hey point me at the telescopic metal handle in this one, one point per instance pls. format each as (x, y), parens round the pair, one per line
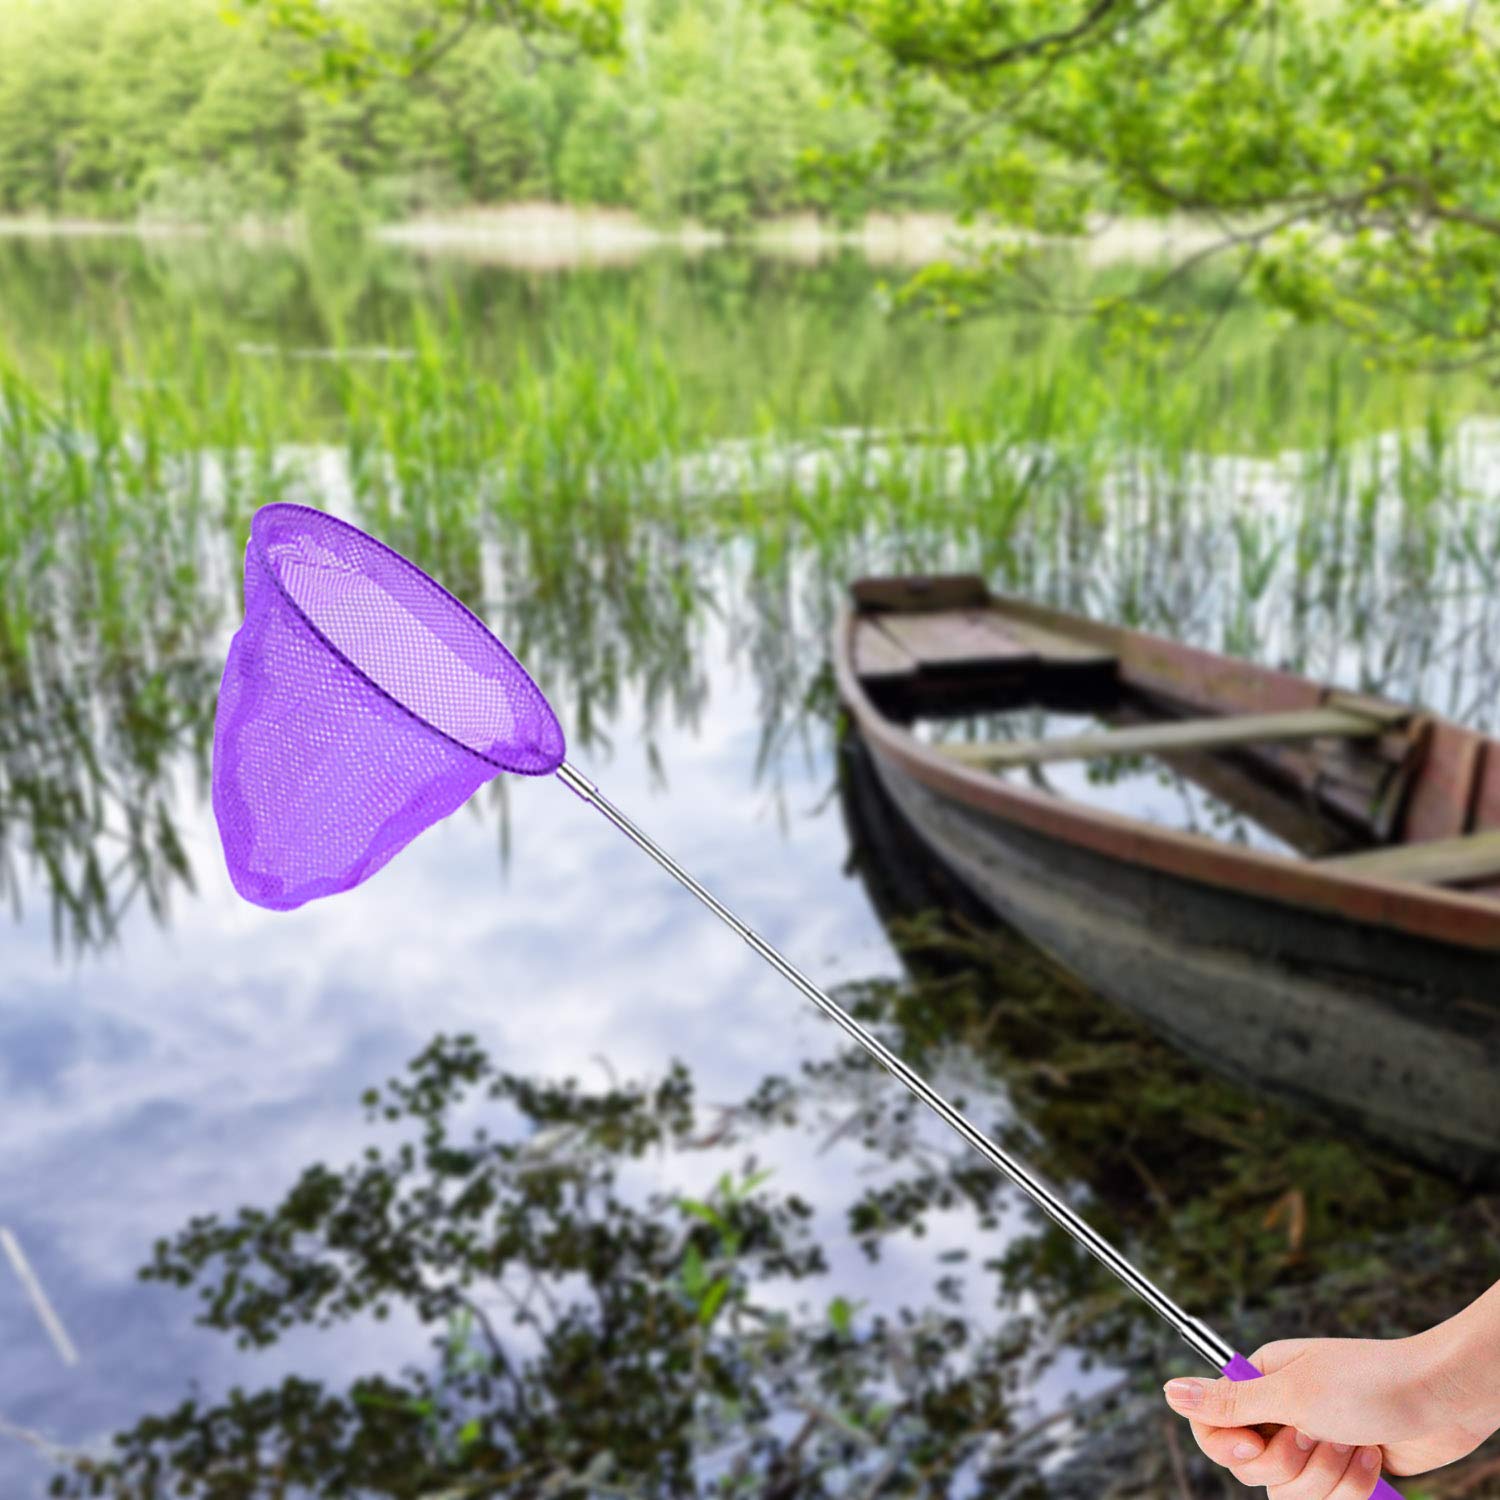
(1200, 1338)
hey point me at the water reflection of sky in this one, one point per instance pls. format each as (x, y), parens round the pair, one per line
(201, 1067)
(1140, 786)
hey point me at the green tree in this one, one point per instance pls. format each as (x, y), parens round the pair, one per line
(348, 47)
(734, 97)
(157, 106)
(599, 151)
(505, 117)
(1340, 153)
(43, 70)
(246, 130)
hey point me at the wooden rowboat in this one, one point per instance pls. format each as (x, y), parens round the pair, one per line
(1350, 959)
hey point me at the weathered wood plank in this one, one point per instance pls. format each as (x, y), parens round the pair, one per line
(1370, 780)
(1049, 645)
(921, 591)
(876, 656)
(1439, 862)
(1442, 800)
(1487, 789)
(1393, 714)
(1216, 733)
(955, 638)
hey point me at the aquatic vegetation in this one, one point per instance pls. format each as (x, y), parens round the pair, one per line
(90, 773)
(116, 490)
(606, 493)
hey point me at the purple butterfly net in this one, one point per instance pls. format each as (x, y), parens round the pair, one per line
(361, 703)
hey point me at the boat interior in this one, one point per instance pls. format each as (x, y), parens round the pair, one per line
(1370, 788)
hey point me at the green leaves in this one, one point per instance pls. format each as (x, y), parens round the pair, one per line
(707, 1286)
(1348, 146)
(353, 47)
(711, 1301)
(841, 1315)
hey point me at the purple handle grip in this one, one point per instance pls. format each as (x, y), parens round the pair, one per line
(1240, 1368)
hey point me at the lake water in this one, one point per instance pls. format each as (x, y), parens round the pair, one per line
(168, 1051)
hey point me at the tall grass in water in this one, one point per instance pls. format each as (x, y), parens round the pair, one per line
(597, 433)
(116, 482)
(609, 499)
(123, 494)
(589, 496)
(583, 472)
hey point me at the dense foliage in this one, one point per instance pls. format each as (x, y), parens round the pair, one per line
(1336, 154)
(706, 110)
(1340, 151)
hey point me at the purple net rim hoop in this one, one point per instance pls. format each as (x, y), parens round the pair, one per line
(323, 517)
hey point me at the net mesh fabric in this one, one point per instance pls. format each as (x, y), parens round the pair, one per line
(361, 703)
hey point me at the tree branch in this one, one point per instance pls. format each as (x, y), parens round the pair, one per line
(1054, 41)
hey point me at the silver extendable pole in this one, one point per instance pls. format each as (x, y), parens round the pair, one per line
(1201, 1339)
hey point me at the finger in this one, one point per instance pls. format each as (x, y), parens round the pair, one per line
(1360, 1477)
(1228, 1445)
(1280, 1460)
(1321, 1475)
(1231, 1403)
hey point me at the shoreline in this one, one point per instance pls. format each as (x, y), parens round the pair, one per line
(550, 236)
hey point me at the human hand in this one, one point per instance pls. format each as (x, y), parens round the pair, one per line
(1328, 1414)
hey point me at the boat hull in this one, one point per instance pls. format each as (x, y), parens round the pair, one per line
(1393, 1032)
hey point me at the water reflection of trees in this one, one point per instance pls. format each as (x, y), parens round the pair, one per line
(604, 1321)
(641, 1352)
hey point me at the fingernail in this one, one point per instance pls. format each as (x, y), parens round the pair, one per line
(1343, 1447)
(1246, 1450)
(1305, 1443)
(1370, 1458)
(1184, 1392)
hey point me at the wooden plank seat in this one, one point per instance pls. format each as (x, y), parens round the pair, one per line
(966, 642)
(1176, 735)
(956, 640)
(877, 657)
(1469, 860)
(1052, 648)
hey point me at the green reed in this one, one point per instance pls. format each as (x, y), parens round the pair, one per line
(1050, 454)
(607, 506)
(113, 480)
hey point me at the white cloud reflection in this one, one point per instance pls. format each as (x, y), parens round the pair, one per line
(203, 1067)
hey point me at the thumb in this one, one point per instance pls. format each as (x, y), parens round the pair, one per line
(1234, 1403)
